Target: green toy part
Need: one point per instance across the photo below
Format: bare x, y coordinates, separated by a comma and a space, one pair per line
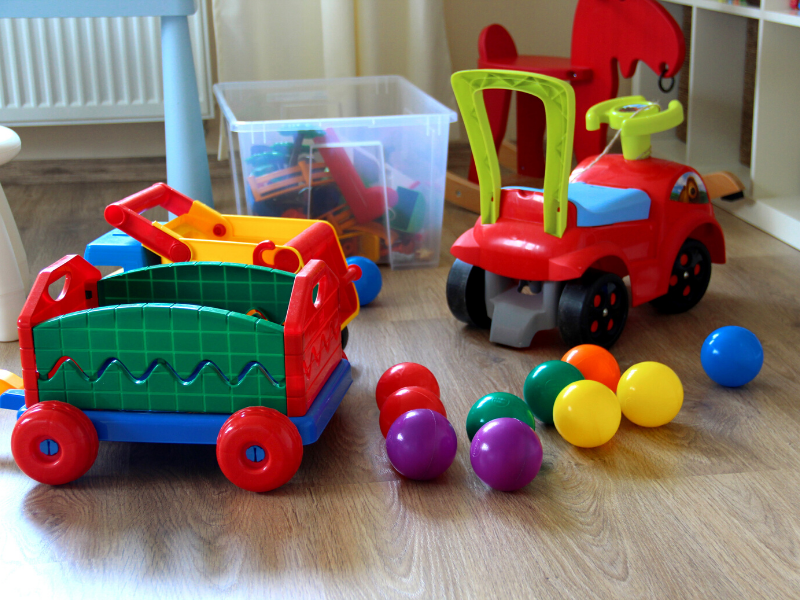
266, 159
304, 133
636, 119
497, 405
559, 103
161, 389
156, 357
285, 148
408, 215
227, 286
543, 385
299, 136
190, 337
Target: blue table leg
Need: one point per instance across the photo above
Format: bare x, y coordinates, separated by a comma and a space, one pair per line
187, 161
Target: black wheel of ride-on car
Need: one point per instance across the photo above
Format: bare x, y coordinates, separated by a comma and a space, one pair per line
345, 337
593, 309
688, 280
465, 294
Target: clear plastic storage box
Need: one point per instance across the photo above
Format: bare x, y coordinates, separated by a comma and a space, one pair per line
368, 154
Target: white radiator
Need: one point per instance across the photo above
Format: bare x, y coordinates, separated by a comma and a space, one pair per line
66, 71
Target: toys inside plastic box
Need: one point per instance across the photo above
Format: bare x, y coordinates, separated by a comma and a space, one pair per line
367, 154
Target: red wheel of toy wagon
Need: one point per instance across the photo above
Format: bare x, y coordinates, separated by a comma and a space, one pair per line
54, 442
259, 449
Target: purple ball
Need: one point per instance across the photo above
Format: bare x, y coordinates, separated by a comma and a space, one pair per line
421, 444
506, 454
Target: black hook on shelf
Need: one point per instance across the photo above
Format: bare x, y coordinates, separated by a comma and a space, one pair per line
661, 80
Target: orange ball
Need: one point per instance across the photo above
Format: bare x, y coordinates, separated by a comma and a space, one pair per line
406, 399
595, 363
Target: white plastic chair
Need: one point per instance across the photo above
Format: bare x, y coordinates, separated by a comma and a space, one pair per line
13, 261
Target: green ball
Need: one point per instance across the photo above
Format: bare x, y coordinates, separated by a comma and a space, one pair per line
544, 384
495, 406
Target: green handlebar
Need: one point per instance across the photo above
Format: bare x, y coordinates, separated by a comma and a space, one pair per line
637, 119
647, 123
601, 112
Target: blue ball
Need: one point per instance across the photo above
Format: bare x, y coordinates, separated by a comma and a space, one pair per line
369, 286
732, 356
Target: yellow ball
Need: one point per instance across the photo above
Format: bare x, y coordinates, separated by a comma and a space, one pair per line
587, 413
650, 394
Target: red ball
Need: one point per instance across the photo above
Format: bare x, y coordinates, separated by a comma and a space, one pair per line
406, 399
404, 375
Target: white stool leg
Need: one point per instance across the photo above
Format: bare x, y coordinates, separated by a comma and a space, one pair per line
13, 272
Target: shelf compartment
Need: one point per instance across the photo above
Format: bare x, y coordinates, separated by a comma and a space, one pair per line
731, 9
716, 84
778, 11
776, 133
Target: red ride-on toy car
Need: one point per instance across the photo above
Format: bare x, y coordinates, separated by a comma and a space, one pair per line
538, 259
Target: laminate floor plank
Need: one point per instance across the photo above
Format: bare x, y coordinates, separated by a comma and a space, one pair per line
705, 507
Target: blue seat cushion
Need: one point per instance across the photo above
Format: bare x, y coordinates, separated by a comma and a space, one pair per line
600, 205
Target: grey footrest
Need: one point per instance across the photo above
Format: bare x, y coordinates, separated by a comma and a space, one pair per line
516, 316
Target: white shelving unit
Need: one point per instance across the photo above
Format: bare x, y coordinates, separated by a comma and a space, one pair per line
715, 105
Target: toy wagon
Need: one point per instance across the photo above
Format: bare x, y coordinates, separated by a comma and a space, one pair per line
200, 233
245, 357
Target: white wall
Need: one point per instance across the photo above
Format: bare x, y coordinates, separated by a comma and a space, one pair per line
537, 26
121, 140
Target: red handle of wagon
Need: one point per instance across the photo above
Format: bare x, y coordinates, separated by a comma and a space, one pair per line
78, 291
352, 274
124, 215
304, 304
158, 194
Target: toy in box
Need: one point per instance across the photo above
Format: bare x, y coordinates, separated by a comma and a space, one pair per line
366, 154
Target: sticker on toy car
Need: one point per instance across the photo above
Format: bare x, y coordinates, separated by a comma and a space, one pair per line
689, 189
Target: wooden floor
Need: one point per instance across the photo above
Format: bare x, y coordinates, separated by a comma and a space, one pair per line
706, 507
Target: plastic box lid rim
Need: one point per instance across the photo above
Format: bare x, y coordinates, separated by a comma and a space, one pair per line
320, 123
